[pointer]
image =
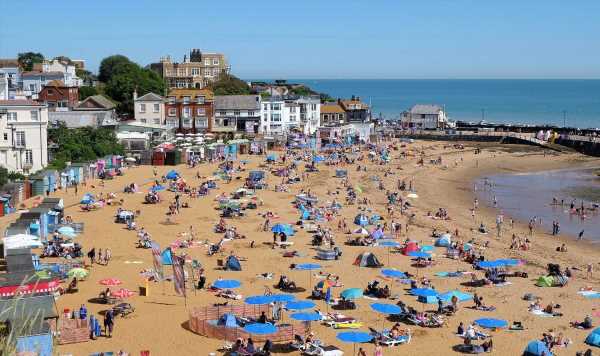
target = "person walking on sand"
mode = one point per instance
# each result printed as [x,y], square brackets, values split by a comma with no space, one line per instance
[580,236]
[108,323]
[92,255]
[378,349]
[589,271]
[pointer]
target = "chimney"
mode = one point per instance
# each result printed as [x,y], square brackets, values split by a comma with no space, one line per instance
[358,98]
[353,98]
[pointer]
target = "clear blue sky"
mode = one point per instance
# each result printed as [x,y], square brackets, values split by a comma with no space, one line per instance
[322,38]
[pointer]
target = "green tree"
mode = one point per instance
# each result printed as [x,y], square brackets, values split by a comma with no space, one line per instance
[229,84]
[82,144]
[302,90]
[28,59]
[127,77]
[108,64]
[3,176]
[86,91]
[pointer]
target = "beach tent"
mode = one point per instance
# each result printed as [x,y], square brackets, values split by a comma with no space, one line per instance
[411,246]
[443,241]
[172,174]
[560,281]
[593,338]
[545,281]
[271,157]
[228,320]
[167,257]
[233,264]
[536,348]
[367,259]
[361,220]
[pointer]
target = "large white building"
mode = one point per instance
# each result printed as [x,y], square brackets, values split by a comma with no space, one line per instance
[23,135]
[149,109]
[47,71]
[280,114]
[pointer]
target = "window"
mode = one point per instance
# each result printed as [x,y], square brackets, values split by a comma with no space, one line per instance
[172,111]
[236,113]
[143,121]
[171,123]
[50,92]
[62,104]
[20,138]
[186,99]
[187,123]
[32,87]
[34,115]
[276,117]
[313,107]
[29,157]
[292,109]
[216,61]
[250,113]
[222,113]
[142,108]
[265,117]
[195,71]
[207,62]
[225,122]
[171,100]
[265,106]
[5,136]
[275,106]
[200,99]
[181,72]
[156,108]
[156,121]
[186,112]
[292,118]
[12,116]
[201,112]
[201,123]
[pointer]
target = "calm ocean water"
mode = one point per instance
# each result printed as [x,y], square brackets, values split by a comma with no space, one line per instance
[506,101]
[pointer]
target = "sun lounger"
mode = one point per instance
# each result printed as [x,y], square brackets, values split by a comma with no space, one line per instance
[386,339]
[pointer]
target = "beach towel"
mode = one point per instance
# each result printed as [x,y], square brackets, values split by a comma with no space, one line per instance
[541,313]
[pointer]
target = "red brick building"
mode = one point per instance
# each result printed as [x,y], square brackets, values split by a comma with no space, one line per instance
[190,110]
[59,97]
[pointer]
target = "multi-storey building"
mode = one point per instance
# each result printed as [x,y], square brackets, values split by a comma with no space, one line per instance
[149,109]
[11,74]
[281,114]
[189,110]
[23,135]
[239,113]
[332,114]
[197,71]
[425,117]
[59,97]
[356,110]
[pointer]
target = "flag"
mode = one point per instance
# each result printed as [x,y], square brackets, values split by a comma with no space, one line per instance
[328,295]
[156,254]
[178,275]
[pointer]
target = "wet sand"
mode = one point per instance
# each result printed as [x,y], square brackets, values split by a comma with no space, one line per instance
[159,322]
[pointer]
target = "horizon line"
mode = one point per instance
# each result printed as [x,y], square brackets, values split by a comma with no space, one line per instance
[375,78]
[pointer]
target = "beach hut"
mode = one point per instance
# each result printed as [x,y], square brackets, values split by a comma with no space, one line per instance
[233,264]
[367,259]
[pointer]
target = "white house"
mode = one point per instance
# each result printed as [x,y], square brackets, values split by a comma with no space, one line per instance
[3,86]
[239,113]
[149,109]
[421,116]
[47,71]
[280,114]
[23,135]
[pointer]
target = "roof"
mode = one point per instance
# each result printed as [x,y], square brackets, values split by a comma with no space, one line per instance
[347,103]
[96,102]
[55,83]
[8,63]
[150,97]
[38,73]
[331,109]
[427,109]
[193,93]
[19,102]
[27,315]
[237,102]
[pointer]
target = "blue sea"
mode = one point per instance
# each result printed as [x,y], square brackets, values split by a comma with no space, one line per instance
[576,102]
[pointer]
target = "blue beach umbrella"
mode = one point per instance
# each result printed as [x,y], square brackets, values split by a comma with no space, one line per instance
[260,329]
[462,297]
[490,264]
[282,298]
[424,292]
[427,248]
[306,316]
[227,284]
[259,300]
[354,337]
[393,273]
[300,304]
[283,228]
[157,188]
[172,175]
[86,200]
[491,323]
[385,308]
[419,254]
[352,293]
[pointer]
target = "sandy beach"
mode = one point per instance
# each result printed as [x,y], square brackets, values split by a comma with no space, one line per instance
[159,323]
